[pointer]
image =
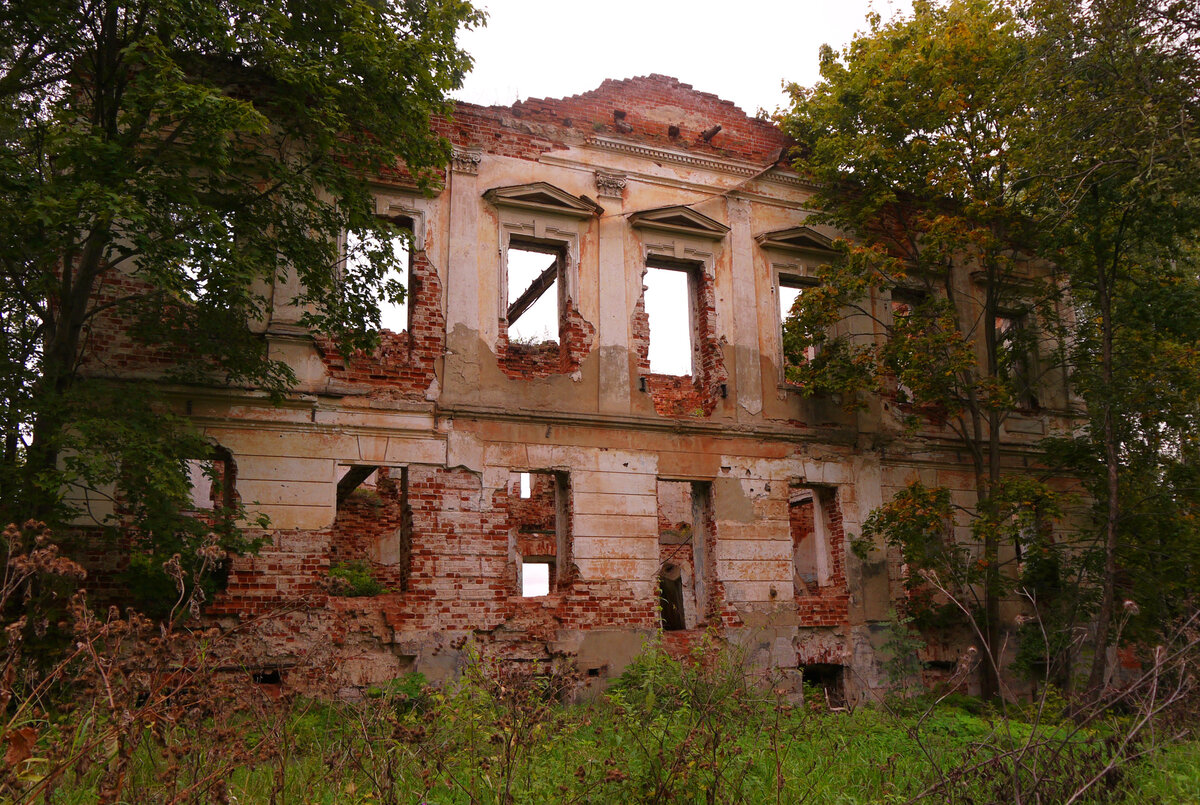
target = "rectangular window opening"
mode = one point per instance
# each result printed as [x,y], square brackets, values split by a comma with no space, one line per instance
[392,294]
[534,303]
[670,311]
[905,301]
[380,524]
[1013,362]
[683,527]
[211,481]
[809,520]
[535,578]
[791,288]
[539,529]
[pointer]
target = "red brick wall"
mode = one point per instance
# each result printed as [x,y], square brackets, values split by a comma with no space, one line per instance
[404,362]
[642,101]
[686,395]
[369,516]
[461,576]
[829,604]
[576,339]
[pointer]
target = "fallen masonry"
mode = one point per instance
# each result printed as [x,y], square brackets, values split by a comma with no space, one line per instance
[581,437]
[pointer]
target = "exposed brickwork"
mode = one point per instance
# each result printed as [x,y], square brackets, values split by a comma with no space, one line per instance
[576,339]
[461,575]
[693,395]
[404,362]
[444,526]
[647,108]
[534,519]
[370,516]
[826,604]
[495,130]
[110,347]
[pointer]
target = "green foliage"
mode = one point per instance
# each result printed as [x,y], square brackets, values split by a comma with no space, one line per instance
[907,136]
[354,579]
[405,693]
[501,734]
[209,154]
[901,644]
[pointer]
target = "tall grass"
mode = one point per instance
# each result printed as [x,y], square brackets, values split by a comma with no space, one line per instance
[698,730]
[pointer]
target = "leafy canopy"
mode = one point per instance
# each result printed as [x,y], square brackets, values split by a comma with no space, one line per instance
[177,176]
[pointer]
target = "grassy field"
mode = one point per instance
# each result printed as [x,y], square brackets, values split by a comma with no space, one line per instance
[666,732]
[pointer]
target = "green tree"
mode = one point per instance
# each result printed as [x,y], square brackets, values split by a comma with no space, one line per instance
[909,137]
[1113,176]
[972,139]
[168,163]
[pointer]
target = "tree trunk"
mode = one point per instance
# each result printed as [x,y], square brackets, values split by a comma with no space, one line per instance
[1104,617]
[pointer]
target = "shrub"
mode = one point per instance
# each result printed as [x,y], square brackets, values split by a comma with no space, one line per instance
[354,579]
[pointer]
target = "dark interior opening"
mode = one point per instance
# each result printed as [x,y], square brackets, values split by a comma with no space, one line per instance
[829,678]
[670,596]
[267,676]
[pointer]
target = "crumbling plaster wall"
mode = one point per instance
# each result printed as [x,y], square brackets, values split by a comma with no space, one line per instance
[444,402]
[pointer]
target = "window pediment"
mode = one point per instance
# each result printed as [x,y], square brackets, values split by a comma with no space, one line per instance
[797,239]
[543,197]
[679,220]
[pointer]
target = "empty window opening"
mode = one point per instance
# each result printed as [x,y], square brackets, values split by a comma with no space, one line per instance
[201,475]
[670,598]
[539,529]
[684,523]
[392,292]
[356,477]
[535,578]
[374,521]
[534,294]
[905,302]
[809,518]
[827,681]
[791,288]
[1013,364]
[670,315]
[211,481]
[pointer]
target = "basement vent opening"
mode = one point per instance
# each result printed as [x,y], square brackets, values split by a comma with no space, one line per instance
[827,678]
[267,676]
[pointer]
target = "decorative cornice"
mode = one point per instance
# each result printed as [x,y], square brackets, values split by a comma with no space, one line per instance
[610,185]
[681,157]
[466,160]
[781,176]
[735,167]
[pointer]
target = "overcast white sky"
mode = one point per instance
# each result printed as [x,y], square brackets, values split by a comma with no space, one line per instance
[741,51]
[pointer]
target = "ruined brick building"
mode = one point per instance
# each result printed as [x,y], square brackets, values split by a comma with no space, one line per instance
[564,495]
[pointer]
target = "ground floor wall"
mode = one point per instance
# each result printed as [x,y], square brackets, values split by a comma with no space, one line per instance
[754,530]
